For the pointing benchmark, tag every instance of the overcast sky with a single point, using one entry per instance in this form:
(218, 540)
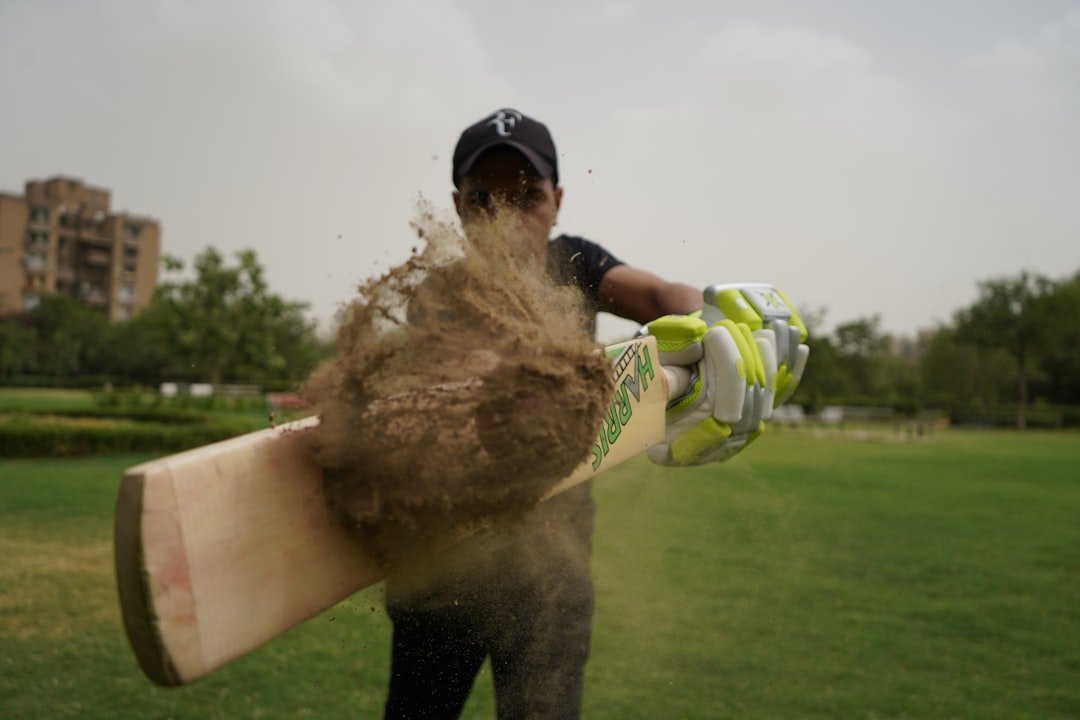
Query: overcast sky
(868, 157)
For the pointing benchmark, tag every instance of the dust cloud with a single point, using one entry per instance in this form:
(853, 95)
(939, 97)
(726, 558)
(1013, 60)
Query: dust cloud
(465, 385)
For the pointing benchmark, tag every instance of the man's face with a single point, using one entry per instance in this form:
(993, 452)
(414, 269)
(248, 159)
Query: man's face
(502, 180)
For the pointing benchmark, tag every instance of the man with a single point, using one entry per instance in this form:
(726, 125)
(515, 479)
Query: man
(523, 595)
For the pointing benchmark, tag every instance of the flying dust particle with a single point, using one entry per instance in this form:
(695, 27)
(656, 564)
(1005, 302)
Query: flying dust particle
(465, 385)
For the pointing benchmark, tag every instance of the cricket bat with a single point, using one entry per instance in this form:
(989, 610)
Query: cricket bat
(220, 549)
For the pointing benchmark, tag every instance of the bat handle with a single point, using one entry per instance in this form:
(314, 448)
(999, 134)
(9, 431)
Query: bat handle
(678, 380)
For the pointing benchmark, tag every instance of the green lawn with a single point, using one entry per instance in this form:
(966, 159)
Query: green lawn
(811, 578)
(40, 399)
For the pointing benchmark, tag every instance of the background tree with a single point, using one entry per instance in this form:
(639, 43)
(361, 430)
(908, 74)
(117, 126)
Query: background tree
(141, 350)
(18, 344)
(959, 375)
(225, 323)
(824, 380)
(860, 350)
(1012, 314)
(1060, 362)
(69, 336)
(853, 365)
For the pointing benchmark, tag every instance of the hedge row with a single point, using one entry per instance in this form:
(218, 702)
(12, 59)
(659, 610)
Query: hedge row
(92, 382)
(79, 382)
(1038, 415)
(148, 413)
(23, 439)
(142, 398)
(119, 384)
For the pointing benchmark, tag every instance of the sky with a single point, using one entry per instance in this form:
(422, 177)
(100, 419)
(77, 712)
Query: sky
(867, 157)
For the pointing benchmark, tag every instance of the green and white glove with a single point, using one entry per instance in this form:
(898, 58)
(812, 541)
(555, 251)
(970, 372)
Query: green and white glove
(776, 327)
(721, 411)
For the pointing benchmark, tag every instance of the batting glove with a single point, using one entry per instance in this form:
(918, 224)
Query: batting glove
(721, 411)
(777, 329)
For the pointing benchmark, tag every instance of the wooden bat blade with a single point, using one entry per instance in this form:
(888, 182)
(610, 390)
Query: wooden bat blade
(220, 549)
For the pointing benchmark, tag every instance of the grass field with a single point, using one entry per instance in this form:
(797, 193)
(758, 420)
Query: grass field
(812, 578)
(40, 399)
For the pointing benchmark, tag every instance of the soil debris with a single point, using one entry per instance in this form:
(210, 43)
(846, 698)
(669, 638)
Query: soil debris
(465, 385)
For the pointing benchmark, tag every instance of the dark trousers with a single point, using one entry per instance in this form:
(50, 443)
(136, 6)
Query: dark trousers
(524, 599)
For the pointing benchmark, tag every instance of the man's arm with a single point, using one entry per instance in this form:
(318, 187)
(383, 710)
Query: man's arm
(641, 296)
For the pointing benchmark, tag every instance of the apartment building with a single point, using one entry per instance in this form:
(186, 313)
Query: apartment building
(60, 236)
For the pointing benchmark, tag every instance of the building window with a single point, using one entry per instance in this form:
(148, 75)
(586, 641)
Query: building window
(37, 241)
(35, 262)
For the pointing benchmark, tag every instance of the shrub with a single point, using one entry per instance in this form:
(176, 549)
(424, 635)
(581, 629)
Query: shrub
(149, 414)
(81, 382)
(25, 436)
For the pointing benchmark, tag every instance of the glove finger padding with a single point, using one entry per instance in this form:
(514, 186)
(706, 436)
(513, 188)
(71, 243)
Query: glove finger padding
(764, 309)
(791, 379)
(721, 411)
(755, 376)
(725, 364)
(766, 344)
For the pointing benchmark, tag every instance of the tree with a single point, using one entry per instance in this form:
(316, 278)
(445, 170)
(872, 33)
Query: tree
(959, 375)
(860, 350)
(226, 324)
(69, 336)
(853, 365)
(17, 346)
(824, 379)
(1061, 359)
(897, 381)
(1012, 314)
(141, 349)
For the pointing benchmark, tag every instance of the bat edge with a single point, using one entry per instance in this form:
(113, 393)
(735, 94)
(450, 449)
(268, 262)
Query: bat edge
(133, 587)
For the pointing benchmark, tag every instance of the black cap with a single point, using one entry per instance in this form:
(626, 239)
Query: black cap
(512, 129)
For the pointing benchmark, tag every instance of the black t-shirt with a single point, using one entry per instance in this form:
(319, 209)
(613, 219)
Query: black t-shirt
(571, 260)
(581, 263)
(555, 537)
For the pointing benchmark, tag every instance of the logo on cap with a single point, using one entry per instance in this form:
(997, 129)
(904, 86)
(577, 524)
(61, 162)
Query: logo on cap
(504, 121)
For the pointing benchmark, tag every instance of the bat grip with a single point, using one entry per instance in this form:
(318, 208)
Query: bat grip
(678, 380)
